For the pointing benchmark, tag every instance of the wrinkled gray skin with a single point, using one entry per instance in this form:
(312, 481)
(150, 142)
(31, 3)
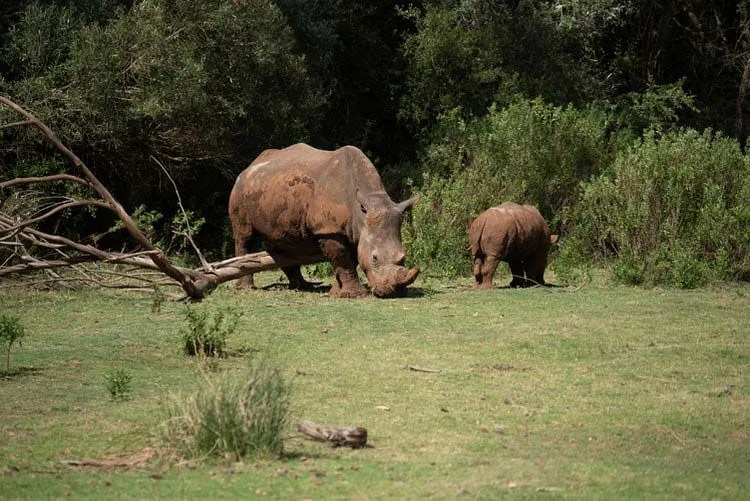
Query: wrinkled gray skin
(323, 205)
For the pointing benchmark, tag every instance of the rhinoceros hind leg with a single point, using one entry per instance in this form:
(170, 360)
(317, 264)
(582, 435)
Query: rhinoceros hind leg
(484, 270)
(517, 270)
(296, 280)
(240, 249)
(345, 282)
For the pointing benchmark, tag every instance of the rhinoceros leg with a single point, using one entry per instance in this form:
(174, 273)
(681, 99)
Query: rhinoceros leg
(240, 249)
(535, 267)
(484, 270)
(517, 270)
(477, 271)
(296, 280)
(346, 282)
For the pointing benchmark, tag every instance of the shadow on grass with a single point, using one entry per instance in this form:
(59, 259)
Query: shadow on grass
(532, 286)
(421, 292)
(241, 352)
(320, 288)
(299, 455)
(317, 287)
(19, 372)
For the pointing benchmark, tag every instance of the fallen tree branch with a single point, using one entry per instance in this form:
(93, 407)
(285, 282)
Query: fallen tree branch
(52, 212)
(187, 280)
(44, 179)
(20, 239)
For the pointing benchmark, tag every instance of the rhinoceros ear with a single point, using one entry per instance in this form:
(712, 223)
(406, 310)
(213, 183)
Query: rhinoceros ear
(553, 239)
(407, 204)
(362, 202)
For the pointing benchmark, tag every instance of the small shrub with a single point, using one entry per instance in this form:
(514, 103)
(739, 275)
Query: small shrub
(118, 384)
(11, 331)
(231, 417)
(206, 334)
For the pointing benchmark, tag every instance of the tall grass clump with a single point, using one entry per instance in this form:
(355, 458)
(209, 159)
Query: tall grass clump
(673, 209)
(232, 416)
(529, 152)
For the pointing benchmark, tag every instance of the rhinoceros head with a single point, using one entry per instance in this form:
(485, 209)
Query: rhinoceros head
(379, 251)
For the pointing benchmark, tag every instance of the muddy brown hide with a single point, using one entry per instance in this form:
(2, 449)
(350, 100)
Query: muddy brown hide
(516, 234)
(313, 205)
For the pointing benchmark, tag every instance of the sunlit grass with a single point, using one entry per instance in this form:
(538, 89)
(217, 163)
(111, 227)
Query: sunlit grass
(599, 392)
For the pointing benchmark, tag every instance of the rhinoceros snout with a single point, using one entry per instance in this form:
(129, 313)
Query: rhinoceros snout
(395, 282)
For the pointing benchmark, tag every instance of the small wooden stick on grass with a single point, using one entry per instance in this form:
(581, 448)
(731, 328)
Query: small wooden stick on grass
(354, 437)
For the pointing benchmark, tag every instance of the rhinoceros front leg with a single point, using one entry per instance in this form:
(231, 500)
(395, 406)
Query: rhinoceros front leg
(345, 282)
(296, 280)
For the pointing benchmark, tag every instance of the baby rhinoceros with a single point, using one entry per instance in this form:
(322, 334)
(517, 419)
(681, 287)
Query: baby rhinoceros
(516, 234)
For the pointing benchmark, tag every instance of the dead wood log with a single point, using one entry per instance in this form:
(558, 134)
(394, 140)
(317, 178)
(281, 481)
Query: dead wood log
(354, 437)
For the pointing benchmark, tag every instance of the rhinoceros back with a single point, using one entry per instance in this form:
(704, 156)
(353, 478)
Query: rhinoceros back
(296, 193)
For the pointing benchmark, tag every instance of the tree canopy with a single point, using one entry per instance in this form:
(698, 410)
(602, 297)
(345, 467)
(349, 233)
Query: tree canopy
(204, 87)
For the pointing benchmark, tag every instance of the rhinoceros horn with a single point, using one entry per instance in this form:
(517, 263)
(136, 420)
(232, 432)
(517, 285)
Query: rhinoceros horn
(406, 204)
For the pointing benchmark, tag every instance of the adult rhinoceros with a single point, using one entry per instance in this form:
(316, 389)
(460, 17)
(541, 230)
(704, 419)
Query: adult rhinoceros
(323, 205)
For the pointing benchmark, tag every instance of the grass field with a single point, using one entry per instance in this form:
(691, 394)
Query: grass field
(603, 392)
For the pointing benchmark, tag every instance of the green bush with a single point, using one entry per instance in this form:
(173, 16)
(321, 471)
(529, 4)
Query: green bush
(205, 333)
(672, 209)
(118, 384)
(11, 331)
(231, 417)
(530, 152)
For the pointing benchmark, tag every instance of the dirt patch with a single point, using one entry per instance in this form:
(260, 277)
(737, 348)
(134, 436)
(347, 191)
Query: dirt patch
(739, 437)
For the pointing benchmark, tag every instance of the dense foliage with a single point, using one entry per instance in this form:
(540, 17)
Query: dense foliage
(673, 208)
(472, 102)
(529, 152)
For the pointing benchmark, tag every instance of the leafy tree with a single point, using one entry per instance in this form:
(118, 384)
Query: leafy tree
(202, 87)
(352, 50)
(472, 53)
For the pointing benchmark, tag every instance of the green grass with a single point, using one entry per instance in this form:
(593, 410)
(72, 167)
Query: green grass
(604, 392)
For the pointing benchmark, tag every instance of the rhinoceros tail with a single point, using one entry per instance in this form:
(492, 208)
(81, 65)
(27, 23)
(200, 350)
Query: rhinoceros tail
(475, 237)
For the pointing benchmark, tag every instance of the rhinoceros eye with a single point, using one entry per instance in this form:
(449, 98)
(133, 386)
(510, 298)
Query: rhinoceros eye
(363, 209)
